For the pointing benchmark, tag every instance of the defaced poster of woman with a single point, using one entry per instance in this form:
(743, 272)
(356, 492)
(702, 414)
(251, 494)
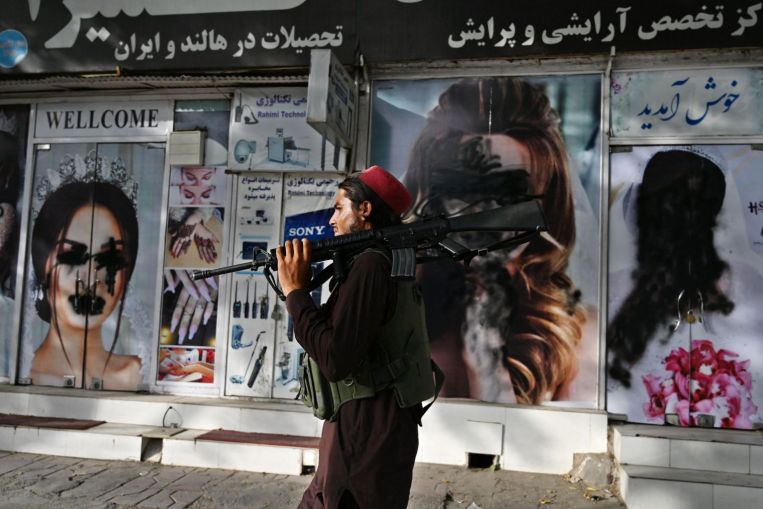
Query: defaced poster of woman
(520, 325)
(92, 226)
(685, 285)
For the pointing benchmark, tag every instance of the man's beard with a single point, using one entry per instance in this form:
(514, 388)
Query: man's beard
(353, 227)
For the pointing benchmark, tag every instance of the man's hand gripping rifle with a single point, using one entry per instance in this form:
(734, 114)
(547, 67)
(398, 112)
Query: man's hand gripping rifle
(411, 243)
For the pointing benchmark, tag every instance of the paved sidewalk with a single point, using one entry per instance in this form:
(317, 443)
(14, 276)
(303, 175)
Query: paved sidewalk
(29, 481)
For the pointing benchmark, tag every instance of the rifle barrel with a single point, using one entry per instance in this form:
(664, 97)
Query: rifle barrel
(204, 274)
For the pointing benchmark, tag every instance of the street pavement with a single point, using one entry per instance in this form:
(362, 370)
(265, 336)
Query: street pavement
(29, 481)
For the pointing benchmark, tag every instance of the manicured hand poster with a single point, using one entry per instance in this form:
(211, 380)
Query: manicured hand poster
(194, 240)
(13, 135)
(685, 285)
(254, 307)
(189, 309)
(521, 325)
(269, 132)
(187, 365)
(91, 289)
(194, 237)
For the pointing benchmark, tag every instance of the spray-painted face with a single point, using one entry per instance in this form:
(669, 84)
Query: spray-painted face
(75, 292)
(111, 258)
(479, 173)
(484, 173)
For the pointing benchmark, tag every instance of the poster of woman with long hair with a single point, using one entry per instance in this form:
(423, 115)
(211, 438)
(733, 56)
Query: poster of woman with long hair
(94, 222)
(685, 281)
(520, 324)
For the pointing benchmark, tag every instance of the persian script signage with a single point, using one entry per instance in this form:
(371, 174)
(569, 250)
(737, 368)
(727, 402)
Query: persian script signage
(82, 35)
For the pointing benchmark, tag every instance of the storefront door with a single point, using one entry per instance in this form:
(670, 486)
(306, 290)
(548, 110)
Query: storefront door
(92, 259)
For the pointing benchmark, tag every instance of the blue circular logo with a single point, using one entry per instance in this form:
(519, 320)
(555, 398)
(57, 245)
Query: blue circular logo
(13, 48)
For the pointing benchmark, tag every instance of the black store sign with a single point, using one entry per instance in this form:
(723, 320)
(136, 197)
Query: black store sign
(175, 35)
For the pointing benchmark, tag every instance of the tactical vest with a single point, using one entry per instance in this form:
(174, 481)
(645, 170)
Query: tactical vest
(400, 359)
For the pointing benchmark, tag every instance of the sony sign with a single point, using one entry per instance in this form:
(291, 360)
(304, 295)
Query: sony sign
(96, 119)
(313, 225)
(306, 231)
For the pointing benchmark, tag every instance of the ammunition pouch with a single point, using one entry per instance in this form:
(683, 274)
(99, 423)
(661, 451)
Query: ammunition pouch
(326, 397)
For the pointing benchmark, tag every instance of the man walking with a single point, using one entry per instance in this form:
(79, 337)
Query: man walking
(369, 340)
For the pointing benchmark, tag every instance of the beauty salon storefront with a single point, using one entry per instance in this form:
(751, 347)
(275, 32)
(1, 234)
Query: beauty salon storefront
(112, 212)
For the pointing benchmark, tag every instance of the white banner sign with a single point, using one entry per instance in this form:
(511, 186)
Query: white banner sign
(307, 208)
(687, 103)
(253, 313)
(122, 118)
(269, 131)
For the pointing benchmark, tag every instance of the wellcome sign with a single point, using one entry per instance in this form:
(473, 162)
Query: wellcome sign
(121, 118)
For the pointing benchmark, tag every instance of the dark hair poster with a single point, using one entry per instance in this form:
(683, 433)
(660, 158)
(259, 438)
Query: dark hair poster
(92, 266)
(685, 282)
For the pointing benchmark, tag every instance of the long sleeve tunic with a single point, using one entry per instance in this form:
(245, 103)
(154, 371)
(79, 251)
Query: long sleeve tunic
(370, 449)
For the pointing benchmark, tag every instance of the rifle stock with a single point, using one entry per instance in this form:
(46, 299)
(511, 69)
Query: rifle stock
(405, 239)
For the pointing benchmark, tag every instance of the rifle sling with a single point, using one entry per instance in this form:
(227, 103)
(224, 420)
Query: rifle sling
(320, 278)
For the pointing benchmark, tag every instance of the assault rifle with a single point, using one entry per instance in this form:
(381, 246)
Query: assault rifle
(428, 237)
